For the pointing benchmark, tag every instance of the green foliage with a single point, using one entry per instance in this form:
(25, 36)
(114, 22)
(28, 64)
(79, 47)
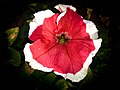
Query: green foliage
(21, 38)
(12, 34)
(52, 81)
(25, 70)
(38, 6)
(101, 61)
(14, 57)
(50, 78)
(44, 80)
(62, 85)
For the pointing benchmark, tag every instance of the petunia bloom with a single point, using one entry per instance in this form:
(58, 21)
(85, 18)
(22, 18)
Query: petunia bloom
(62, 42)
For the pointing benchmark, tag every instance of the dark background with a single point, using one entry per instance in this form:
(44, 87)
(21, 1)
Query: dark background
(9, 9)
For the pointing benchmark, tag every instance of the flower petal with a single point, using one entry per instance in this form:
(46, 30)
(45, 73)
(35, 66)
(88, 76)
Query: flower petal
(33, 26)
(49, 27)
(97, 44)
(27, 52)
(33, 63)
(62, 7)
(59, 17)
(41, 15)
(36, 34)
(73, 24)
(45, 30)
(39, 18)
(78, 52)
(91, 29)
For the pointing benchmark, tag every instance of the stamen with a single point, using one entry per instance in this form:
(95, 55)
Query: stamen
(63, 37)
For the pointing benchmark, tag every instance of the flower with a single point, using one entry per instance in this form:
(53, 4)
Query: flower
(64, 43)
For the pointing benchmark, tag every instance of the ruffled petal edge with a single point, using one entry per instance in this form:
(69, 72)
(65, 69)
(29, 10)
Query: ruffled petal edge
(63, 8)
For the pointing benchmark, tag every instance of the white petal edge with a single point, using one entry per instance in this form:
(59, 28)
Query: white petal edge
(83, 72)
(63, 8)
(33, 63)
(27, 53)
(91, 29)
(33, 26)
(59, 17)
(39, 19)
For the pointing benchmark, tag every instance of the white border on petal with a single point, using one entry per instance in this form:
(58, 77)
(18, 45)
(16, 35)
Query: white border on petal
(27, 53)
(63, 8)
(59, 17)
(41, 15)
(35, 65)
(91, 29)
(33, 26)
(32, 62)
(97, 44)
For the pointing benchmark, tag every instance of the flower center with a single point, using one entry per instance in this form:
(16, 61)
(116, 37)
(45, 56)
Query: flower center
(62, 38)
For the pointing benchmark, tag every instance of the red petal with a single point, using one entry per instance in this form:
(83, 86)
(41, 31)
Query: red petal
(49, 26)
(40, 47)
(78, 52)
(46, 30)
(36, 34)
(73, 23)
(55, 57)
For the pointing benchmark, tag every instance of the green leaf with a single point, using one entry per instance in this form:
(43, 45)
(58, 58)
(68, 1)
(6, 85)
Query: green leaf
(22, 37)
(46, 78)
(38, 6)
(61, 84)
(12, 34)
(14, 57)
(50, 78)
(26, 70)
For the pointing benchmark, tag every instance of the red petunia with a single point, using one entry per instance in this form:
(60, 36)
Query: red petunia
(64, 43)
